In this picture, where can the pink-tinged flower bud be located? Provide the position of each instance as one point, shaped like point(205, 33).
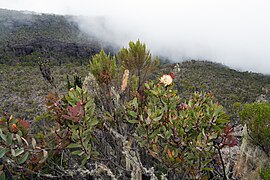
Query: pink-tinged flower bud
point(172, 75)
point(14, 128)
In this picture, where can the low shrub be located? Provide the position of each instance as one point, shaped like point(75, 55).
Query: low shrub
point(184, 136)
point(257, 118)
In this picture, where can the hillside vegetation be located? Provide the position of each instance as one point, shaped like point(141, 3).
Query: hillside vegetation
point(23, 87)
point(228, 85)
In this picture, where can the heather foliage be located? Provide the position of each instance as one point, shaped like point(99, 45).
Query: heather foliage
point(138, 60)
point(103, 67)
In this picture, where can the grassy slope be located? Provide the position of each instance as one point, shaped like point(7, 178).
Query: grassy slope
point(23, 89)
point(228, 85)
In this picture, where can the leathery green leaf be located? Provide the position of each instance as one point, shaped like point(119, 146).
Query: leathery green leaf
point(3, 152)
point(73, 145)
point(23, 158)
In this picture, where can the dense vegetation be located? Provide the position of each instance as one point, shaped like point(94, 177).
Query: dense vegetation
point(117, 105)
point(120, 116)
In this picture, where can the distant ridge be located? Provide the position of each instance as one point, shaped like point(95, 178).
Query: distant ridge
point(37, 34)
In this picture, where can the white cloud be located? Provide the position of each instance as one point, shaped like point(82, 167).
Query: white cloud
point(233, 32)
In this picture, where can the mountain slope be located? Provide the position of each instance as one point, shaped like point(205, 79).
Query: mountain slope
point(23, 88)
point(25, 36)
point(228, 85)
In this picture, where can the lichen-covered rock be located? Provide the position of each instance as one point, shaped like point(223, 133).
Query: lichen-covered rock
point(251, 159)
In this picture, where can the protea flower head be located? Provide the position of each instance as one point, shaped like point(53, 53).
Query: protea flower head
point(166, 79)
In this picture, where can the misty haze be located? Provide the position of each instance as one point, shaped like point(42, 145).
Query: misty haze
point(234, 33)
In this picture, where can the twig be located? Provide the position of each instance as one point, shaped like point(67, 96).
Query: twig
point(223, 166)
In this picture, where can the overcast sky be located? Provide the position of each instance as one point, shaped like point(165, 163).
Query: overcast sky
point(233, 32)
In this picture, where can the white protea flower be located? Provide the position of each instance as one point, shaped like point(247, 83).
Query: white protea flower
point(71, 89)
point(166, 79)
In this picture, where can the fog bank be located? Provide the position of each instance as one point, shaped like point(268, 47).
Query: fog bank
point(232, 32)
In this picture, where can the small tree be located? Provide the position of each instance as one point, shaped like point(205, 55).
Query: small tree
point(138, 60)
point(103, 67)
